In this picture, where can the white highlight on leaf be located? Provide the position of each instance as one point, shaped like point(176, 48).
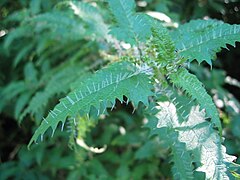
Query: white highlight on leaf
point(117, 78)
point(70, 100)
point(90, 92)
point(127, 101)
point(137, 84)
point(234, 29)
point(122, 130)
point(180, 107)
point(104, 109)
point(3, 33)
point(94, 88)
point(125, 45)
point(53, 131)
point(53, 113)
point(160, 16)
point(45, 120)
point(64, 105)
point(125, 75)
point(98, 87)
point(134, 109)
point(74, 121)
point(75, 8)
point(76, 96)
point(81, 94)
point(57, 110)
point(183, 113)
point(202, 137)
point(62, 126)
point(113, 106)
point(81, 143)
point(166, 115)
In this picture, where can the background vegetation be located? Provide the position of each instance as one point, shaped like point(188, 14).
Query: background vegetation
point(46, 45)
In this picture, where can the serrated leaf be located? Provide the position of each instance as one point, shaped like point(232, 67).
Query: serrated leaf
point(202, 39)
point(181, 158)
point(91, 16)
point(197, 134)
point(194, 88)
point(162, 43)
point(131, 27)
point(101, 89)
point(203, 140)
point(56, 81)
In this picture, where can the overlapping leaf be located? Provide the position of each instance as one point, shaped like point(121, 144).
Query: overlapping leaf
point(194, 88)
point(99, 90)
point(130, 27)
point(200, 142)
point(202, 39)
point(163, 126)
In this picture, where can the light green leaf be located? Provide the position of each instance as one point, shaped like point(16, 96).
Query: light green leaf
point(131, 27)
point(202, 39)
point(99, 90)
point(194, 88)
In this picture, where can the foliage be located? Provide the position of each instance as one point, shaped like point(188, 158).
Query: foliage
point(131, 27)
point(192, 87)
point(97, 93)
point(115, 70)
point(201, 39)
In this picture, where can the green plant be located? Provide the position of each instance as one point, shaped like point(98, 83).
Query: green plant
point(152, 75)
